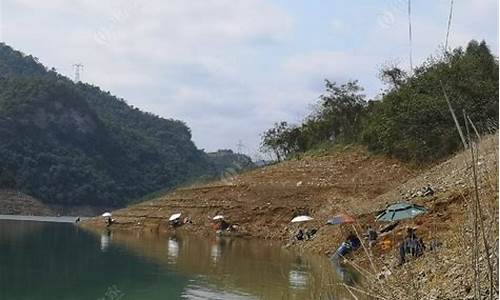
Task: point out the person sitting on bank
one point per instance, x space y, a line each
109 221
372 236
411 245
428 191
224 225
221 225
411 241
353 241
343 250
402 253
350 244
310 233
175 223
299 235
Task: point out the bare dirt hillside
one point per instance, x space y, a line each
262 202
448 272
13 202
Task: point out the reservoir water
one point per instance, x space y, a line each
58 261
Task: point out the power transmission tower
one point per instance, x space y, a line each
239 147
449 26
410 35
78 67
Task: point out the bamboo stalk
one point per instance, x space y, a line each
453 115
475 226
479 212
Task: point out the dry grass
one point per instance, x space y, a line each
466 267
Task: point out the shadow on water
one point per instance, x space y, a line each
61 261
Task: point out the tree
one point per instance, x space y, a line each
412 121
342 108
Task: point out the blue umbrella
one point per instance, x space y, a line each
400 211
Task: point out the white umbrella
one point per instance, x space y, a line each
174 217
301 219
106 214
218 217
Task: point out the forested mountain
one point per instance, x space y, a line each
227 161
72 143
411 119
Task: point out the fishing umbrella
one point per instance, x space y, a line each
400 211
106 214
174 217
340 219
301 219
218 217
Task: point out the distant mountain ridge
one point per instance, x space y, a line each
72 143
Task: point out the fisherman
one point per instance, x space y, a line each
224 225
411 241
108 221
175 223
299 236
344 249
428 191
221 225
412 244
372 236
310 233
402 253
353 241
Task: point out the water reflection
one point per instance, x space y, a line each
105 240
173 249
197 292
247 268
298 279
215 252
216 248
80 265
345 273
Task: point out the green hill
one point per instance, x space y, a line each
73 144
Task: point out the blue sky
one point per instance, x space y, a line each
231 68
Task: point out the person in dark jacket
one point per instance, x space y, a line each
353 241
299 236
372 236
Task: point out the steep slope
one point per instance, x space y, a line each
448 273
17 203
74 144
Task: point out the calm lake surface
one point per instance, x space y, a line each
45 260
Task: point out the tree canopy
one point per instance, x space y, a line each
411 119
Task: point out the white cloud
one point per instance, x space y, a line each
327 64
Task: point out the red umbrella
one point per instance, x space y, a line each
341 219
